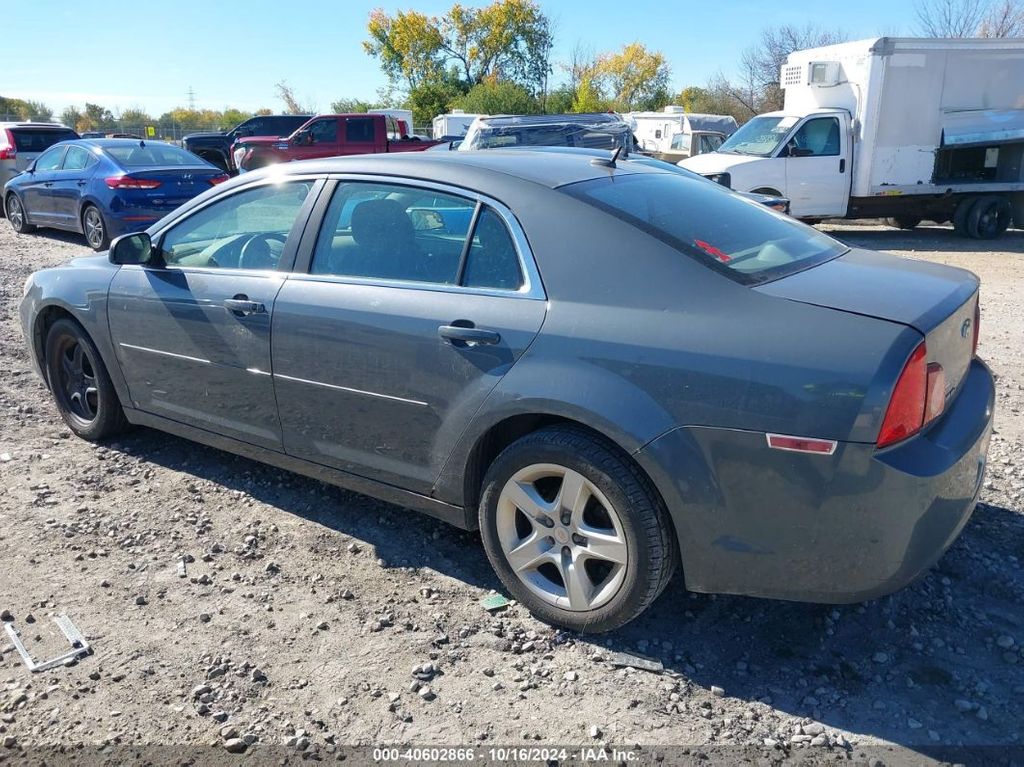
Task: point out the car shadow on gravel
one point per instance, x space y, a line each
923 668
924 238
69 238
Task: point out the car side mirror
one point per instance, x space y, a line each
31 167
129 249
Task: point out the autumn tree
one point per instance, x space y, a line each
134 117
508 40
71 117
636 78
970 18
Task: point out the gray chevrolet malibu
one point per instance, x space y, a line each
611 370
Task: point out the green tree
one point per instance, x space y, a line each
499 98
434 97
559 101
97 117
588 96
230 117
508 40
135 118
350 106
71 117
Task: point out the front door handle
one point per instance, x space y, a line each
459 334
842 165
243 306
47 183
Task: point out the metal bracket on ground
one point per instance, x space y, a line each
79 645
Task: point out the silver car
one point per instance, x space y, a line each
21 143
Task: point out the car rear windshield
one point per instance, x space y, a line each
141 154
738 237
39 139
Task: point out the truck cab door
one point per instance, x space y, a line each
319 139
817 160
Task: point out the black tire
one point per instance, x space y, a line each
963 209
19 221
86 398
989 217
903 222
649 538
94 227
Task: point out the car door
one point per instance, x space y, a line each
415 302
193 333
37 194
817 168
69 185
319 139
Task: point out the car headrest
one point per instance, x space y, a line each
380 224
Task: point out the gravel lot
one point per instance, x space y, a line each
233 604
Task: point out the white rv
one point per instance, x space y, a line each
674 134
905 129
454 124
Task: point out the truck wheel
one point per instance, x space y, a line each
989 217
963 209
903 222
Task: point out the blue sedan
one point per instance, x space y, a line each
103 188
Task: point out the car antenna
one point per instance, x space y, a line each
607 162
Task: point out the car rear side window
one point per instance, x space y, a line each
492 261
728 233
39 139
359 130
78 158
393 232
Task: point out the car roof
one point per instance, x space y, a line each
468 168
582 118
30 124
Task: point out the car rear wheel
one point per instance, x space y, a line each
575 531
95 228
989 217
16 215
81 386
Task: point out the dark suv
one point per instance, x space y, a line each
216 147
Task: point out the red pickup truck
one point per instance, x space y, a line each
329 136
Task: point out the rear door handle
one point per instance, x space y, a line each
242 305
458 333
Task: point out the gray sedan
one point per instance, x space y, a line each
611 370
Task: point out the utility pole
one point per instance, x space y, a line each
191 99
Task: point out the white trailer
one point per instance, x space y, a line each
905 129
454 124
674 134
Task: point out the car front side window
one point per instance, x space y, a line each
247 230
50 159
324 131
816 138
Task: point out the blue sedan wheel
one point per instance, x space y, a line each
16 215
94 228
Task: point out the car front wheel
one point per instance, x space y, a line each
575 531
81 386
16 215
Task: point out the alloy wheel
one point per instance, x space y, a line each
76 379
561 537
15 213
94 233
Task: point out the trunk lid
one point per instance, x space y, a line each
936 300
177 185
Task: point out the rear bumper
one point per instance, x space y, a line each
853 526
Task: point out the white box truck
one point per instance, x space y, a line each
896 128
675 134
453 125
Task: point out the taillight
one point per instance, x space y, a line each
977 328
8 150
127 182
918 398
219 179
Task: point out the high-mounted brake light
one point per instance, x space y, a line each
918 398
802 444
127 182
